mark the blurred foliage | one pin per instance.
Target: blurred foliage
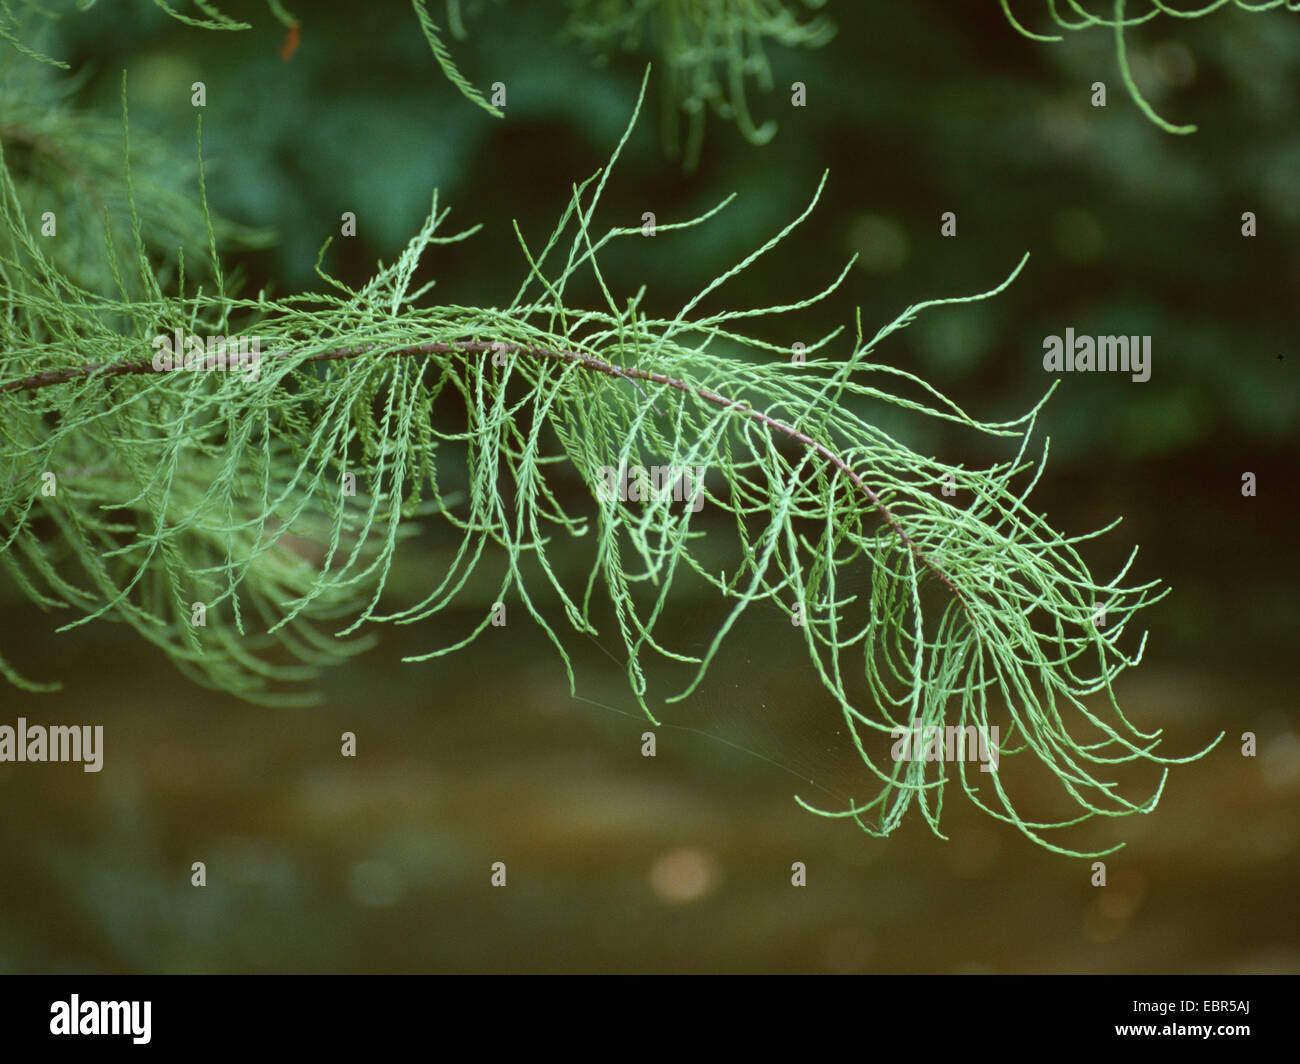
(1075, 18)
(71, 164)
(1132, 231)
(710, 49)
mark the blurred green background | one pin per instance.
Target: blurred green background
(682, 862)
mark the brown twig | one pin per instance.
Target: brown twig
(587, 362)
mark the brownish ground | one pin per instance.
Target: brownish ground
(614, 862)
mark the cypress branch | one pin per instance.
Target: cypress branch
(183, 489)
(587, 362)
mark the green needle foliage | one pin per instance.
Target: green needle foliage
(13, 26)
(230, 489)
(434, 36)
(69, 163)
(711, 48)
(1070, 15)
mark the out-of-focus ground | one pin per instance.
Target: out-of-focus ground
(614, 862)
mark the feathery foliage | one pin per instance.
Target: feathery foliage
(1075, 18)
(12, 26)
(227, 488)
(69, 163)
(433, 35)
(710, 48)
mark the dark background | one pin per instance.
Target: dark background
(318, 863)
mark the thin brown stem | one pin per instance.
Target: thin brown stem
(587, 362)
